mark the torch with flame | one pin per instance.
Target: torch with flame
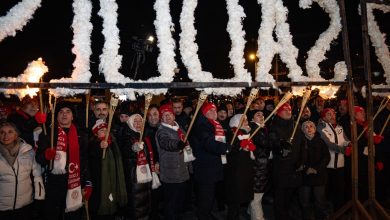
(31, 74)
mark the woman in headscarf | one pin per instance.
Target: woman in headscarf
(239, 168)
(17, 165)
(139, 169)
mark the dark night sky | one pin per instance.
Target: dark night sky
(49, 35)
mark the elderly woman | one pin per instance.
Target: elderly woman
(315, 175)
(139, 169)
(17, 163)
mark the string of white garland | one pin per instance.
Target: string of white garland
(82, 30)
(317, 53)
(32, 74)
(17, 17)
(378, 39)
(274, 16)
(189, 49)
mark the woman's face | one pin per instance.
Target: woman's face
(258, 118)
(137, 124)
(8, 135)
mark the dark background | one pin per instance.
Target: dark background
(49, 35)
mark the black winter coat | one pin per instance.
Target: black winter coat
(262, 163)
(318, 157)
(57, 185)
(139, 194)
(239, 174)
(285, 174)
(208, 165)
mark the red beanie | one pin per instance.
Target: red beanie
(207, 106)
(99, 125)
(284, 107)
(166, 108)
(323, 113)
(358, 109)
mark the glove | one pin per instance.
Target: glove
(137, 147)
(50, 153)
(40, 117)
(348, 151)
(87, 191)
(379, 166)
(378, 139)
(247, 145)
(180, 145)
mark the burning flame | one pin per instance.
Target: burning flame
(31, 74)
(327, 92)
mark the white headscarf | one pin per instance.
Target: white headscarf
(130, 122)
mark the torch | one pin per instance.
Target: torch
(285, 98)
(41, 108)
(113, 104)
(201, 99)
(306, 97)
(87, 96)
(381, 107)
(53, 109)
(148, 100)
(251, 97)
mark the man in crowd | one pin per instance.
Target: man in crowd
(181, 117)
(208, 141)
(68, 178)
(338, 144)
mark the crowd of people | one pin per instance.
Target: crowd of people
(153, 169)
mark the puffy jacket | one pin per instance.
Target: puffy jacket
(336, 140)
(16, 186)
(173, 169)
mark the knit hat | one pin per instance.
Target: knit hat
(166, 108)
(358, 109)
(100, 124)
(64, 104)
(251, 114)
(284, 107)
(235, 120)
(207, 106)
(222, 108)
(325, 111)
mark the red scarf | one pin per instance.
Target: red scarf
(151, 155)
(65, 141)
(218, 131)
(181, 135)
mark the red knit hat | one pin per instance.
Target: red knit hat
(284, 107)
(325, 111)
(207, 106)
(166, 108)
(358, 109)
(100, 124)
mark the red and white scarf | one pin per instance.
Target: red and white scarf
(219, 136)
(155, 180)
(65, 141)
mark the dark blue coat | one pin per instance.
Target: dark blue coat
(208, 151)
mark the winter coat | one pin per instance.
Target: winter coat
(318, 157)
(208, 165)
(173, 169)
(240, 173)
(336, 140)
(183, 120)
(262, 162)
(139, 194)
(151, 133)
(95, 154)
(285, 170)
(26, 125)
(16, 186)
(57, 185)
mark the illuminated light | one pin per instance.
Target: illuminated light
(150, 39)
(252, 56)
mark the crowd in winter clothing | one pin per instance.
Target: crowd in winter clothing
(150, 165)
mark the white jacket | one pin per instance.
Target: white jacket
(336, 141)
(16, 187)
